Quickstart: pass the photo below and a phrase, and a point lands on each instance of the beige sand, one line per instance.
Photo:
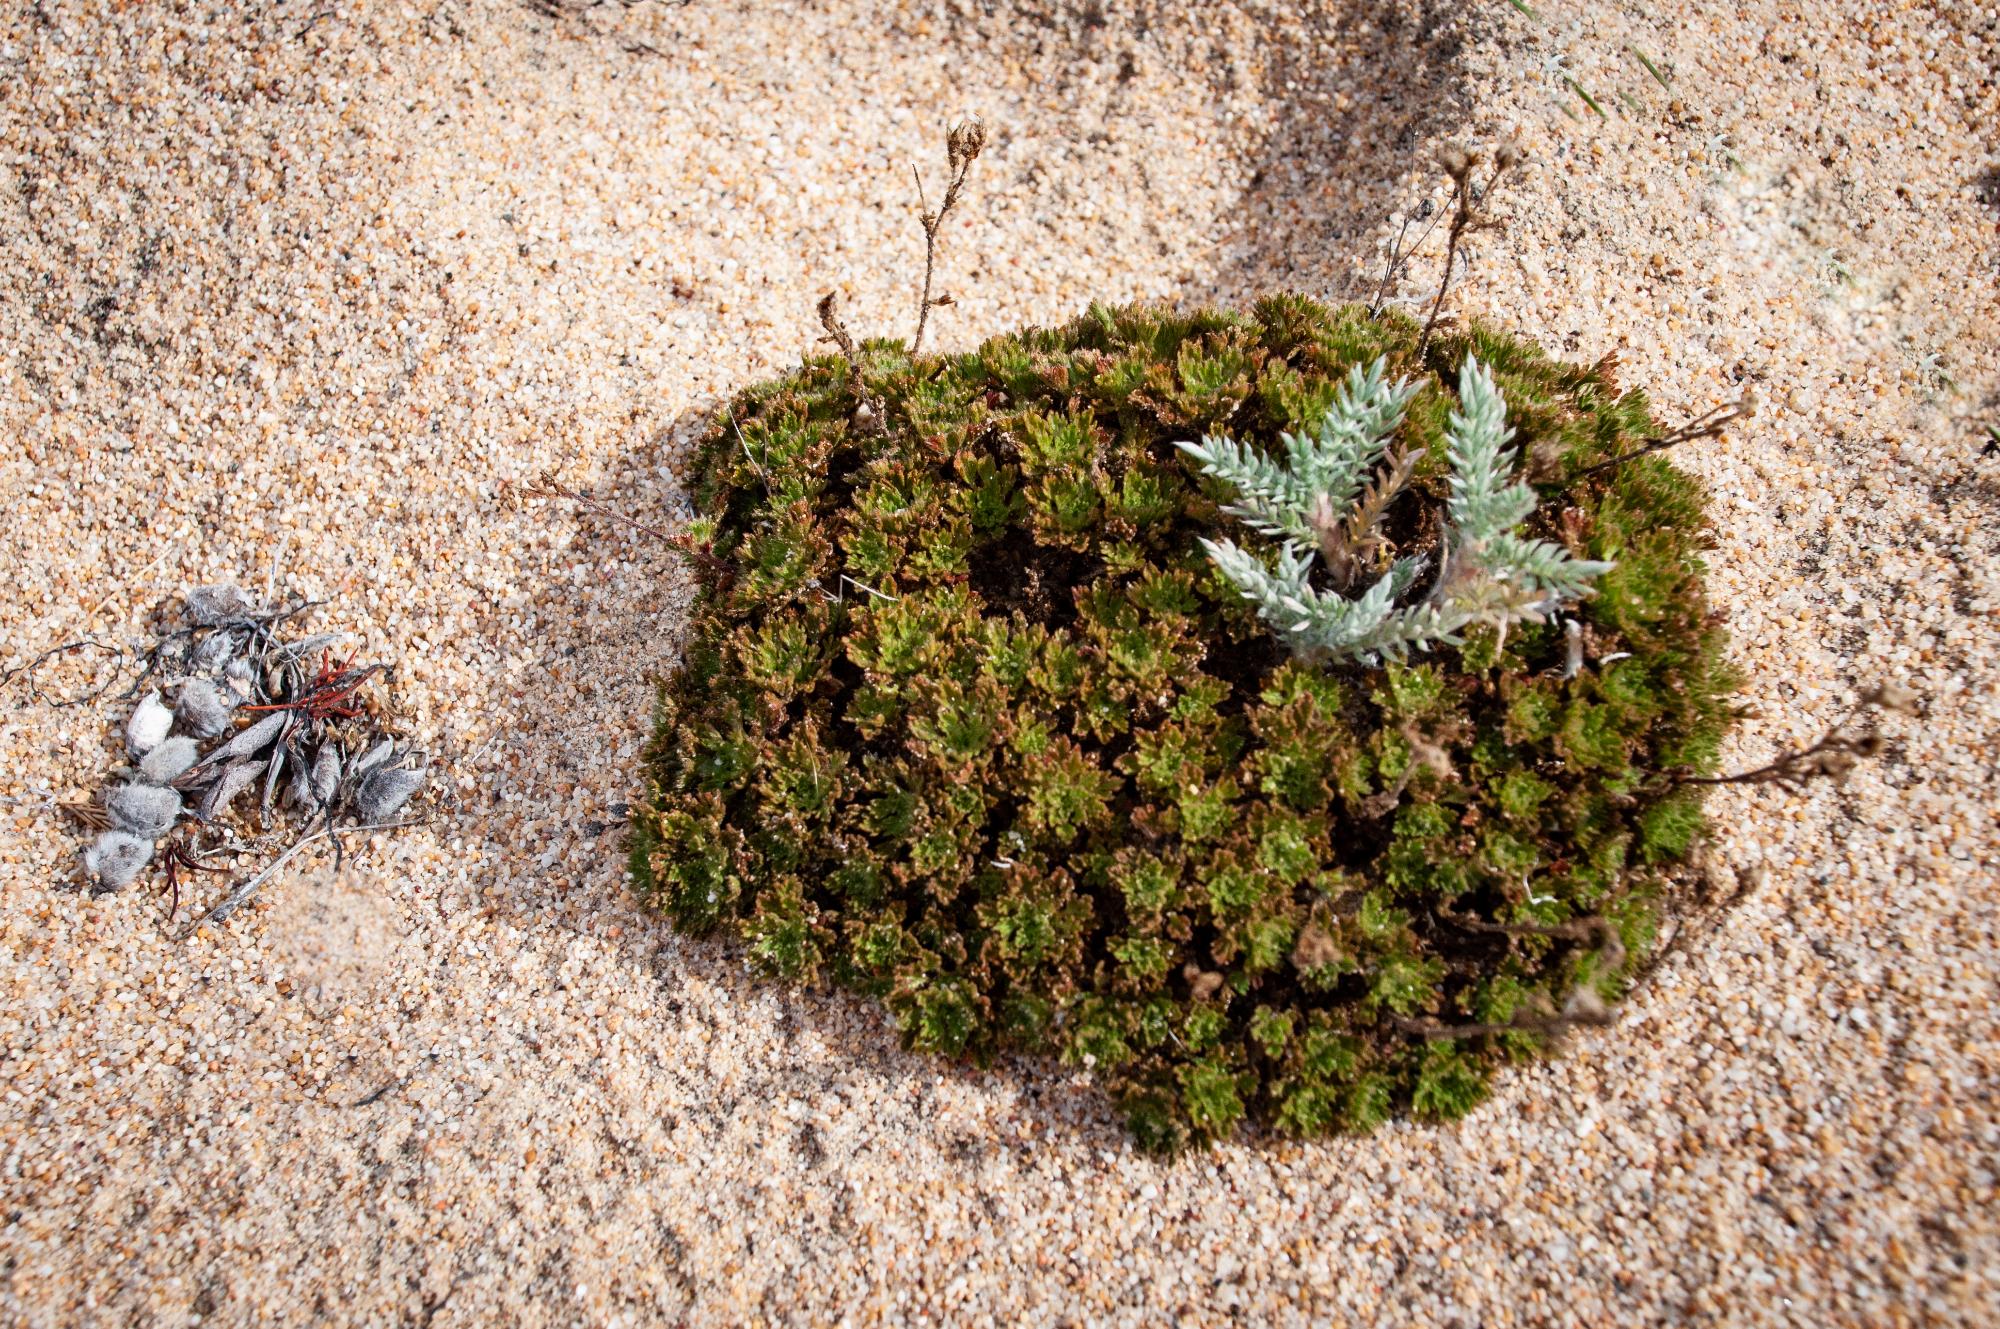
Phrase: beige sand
(293, 290)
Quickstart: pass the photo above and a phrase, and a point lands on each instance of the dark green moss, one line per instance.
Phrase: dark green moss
(969, 723)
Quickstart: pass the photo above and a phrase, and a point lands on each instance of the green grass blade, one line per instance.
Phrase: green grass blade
(1651, 68)
(1588, 100)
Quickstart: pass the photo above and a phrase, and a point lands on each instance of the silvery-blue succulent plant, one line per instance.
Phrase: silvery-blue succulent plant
(1321, 503)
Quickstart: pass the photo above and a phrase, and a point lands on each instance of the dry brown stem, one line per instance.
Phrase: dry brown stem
(962, 144)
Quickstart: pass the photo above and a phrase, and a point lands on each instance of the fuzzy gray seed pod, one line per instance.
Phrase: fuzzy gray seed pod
(233, 781)
(148, 725)
(210, 605)
(251, 741)
(319, 641)
(114, 858)
(170, 759)
(382, 795)
(144, 810)
(325, 774)
(298, 789)
(203, 709)
(375, 756)
(241, 676)
(215, 652)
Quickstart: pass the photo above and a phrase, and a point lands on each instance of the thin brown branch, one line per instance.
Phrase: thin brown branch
(1835, 754)
(552, 487)
(962, 144)
(1710, 425)
(35, 693)
(1467, 215)
(1591, 1012)
(1352, 547)
(866, 419)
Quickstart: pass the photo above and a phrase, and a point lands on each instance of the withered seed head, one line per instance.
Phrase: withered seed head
(1455, 160)
(963, 142)
(1506, 156)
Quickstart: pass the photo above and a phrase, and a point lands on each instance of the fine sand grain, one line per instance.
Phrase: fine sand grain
(292, 291)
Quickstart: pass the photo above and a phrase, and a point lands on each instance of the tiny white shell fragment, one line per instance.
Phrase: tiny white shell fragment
(148, 725)
(143, 810)
(169, 759)
(114, 858)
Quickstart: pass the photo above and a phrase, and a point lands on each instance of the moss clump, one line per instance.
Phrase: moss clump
(969, 721)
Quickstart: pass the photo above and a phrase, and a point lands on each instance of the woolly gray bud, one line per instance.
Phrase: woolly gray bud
(382, 795)
(148, 725)
(241, 676)
(215, 652)
(299, 790)
(142, 809)
(168, 760)
(325, 774)
(202, 708)
(210, 605)
(114, 858)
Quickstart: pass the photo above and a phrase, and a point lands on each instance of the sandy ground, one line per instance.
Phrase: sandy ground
(290, 292)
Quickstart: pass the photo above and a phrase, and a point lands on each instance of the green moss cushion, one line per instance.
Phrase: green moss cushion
(967, 721)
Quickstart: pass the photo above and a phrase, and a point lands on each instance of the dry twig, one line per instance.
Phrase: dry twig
(1467, 215)
(866, 419)
(1836, 752)
(1707, 426)
(962, 144)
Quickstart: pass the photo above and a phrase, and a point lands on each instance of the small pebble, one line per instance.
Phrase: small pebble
(148, 725)
(143, 809)
(203, 709)
(114, 858)
(168, 760)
